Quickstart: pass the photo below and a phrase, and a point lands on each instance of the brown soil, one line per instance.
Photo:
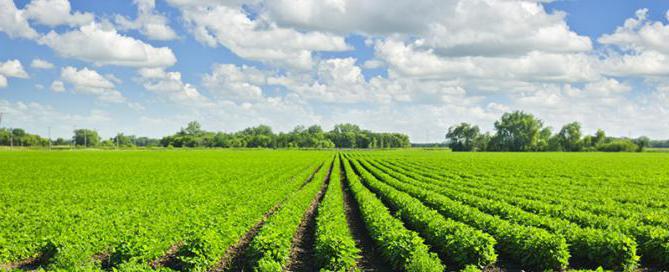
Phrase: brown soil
(370, 257)
(169, 259)
(302, 251)
(235, 258)
(41, 260)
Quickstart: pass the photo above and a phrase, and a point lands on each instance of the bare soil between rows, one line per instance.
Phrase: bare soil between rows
(302, 257)
(370, 257)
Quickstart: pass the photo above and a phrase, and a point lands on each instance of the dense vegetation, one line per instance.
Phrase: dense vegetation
(520, 131)
(196, 210)
(342, 136)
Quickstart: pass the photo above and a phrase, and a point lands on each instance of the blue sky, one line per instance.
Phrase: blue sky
(147, 67)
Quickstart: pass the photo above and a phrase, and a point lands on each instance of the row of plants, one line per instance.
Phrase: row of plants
(458, 243)
(140, 205)
(271, 247)
(554, 191)
(531, 247)
(588, 247)
(335, 248)
(402, 248)
(605, 231)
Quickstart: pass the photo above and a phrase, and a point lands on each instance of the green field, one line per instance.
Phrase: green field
(273, 210)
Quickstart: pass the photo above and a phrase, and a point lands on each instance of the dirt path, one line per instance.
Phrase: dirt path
(41, 260)
(370, 259)
(302, 252)
(235, 258)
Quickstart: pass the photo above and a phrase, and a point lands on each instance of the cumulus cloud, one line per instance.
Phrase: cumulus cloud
(41, 64)
(412, 61)
(642, 47)
(13, 21)
(453, 27)
(90, 82)
(258, 39)
(170, 86)
(56, 12)
(103, 45)
(11, 68)
(57, 86)
(235, 83)
(38, 117)
(151, 24)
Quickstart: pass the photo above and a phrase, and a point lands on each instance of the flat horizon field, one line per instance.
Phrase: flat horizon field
(306, 210)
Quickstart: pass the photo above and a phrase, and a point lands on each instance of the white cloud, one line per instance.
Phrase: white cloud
(235, 83)
(13, 21)
(412, 61)
(642, 48)
(56, 12)
(41, 64)
(170, 85)
(373, 64)
(103, 45)
(57, 86)
(38, 118)
(151, 24)
(454, 27)
(12, 68)
(89, 82)
(258, 39)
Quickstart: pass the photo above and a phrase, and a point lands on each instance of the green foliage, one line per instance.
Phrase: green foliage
(403, 248)
(459, 243)
(465, 137)
(270, 248)
(86, 137)
(134, 206)
(262, 136)
(622, 145)
(517, 131)
(335, 249)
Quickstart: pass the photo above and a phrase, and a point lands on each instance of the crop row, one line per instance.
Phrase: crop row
(335, 248)
(653, 241)
(402, 248)
(588, 247)
(270, 249)
(456, 242)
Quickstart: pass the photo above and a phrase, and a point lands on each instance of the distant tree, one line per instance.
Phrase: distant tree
(86, 137)
(193, 128)
(642, 142)
(517, 131)
(463, 137)
(570, 137)
(61, 141)
(618, 145)
(123, 140)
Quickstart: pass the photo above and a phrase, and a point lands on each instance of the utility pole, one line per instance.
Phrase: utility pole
(85, 138)
(49, 138)
(1, 114)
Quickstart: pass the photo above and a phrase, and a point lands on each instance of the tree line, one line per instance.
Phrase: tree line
(342, 136)
(520, 131)
(262, 136)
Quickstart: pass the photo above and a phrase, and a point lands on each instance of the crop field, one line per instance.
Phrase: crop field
(292, 210)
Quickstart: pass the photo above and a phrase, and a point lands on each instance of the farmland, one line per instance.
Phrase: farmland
(273, 210)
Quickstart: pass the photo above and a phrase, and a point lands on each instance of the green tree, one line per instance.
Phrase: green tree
(463, 137)
(642, 142)
(86, 137)
(570, 137)
(517, 131)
